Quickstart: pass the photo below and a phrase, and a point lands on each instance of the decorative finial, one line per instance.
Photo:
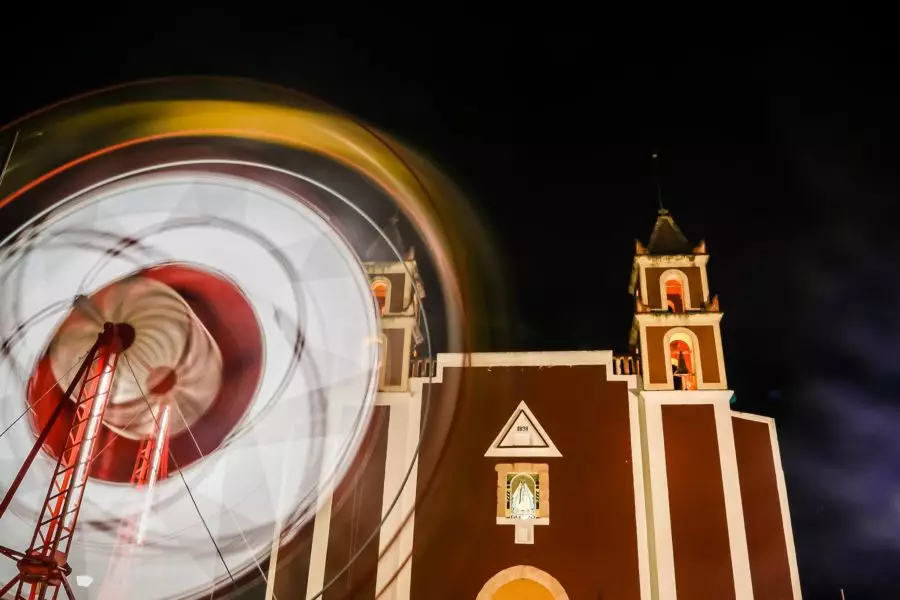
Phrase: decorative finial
(662, 209)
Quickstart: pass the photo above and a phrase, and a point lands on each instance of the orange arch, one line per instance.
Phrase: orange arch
(514, 576)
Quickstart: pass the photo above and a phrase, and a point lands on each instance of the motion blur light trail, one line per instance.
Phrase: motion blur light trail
(210, 198)
(429, 202)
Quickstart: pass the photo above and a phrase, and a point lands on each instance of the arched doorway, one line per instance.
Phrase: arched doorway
(522, 583)
(523, 589)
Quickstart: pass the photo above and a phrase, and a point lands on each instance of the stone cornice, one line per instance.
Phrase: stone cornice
(679, 319)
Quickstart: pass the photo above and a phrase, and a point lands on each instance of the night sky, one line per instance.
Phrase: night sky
(782, 155)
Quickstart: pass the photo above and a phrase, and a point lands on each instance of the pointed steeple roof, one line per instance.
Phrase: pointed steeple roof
(666, 237)
(379, 250)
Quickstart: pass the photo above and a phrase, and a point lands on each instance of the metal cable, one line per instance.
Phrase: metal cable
(228, 510)
(31, 407)
(180, 474)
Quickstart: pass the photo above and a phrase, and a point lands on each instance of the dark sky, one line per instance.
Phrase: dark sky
(782, 153)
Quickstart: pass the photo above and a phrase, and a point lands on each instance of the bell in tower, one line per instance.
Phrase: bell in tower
(681, 373)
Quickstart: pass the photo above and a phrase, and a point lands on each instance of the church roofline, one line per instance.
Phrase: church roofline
(562, 358)
(566, 358)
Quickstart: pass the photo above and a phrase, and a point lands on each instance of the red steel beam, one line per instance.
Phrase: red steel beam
(44, 567)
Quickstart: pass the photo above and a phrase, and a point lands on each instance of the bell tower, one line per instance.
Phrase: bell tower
(676, 323)
(397, 290)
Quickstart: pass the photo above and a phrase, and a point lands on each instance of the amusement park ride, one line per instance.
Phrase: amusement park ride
(43, 567)
(191, 341)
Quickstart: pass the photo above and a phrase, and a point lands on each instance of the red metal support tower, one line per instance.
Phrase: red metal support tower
(43, 567)
(150, 466)
(152, 462)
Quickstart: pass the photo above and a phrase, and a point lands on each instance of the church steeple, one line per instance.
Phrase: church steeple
(397, 288)
(676, 321)
(666, 237)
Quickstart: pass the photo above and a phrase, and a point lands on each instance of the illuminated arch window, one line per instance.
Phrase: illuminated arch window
(683, 359)
(674, 291)
(674, 295)
(380, 289)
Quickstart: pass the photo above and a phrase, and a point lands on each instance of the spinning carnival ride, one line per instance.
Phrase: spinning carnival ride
(193, 369)
(189, 358)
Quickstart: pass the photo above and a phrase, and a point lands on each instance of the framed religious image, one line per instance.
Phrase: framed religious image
(523, 495)
(523, 498)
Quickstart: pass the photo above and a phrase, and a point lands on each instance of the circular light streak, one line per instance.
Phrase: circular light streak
(314, 309)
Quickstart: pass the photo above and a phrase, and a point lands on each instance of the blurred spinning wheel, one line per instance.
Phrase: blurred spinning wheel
(172, 358)
(250, 315)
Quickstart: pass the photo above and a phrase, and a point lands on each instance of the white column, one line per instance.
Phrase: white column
(662, 553)
(641, 511)
(393, 578)
(734, 506)
(319, 551)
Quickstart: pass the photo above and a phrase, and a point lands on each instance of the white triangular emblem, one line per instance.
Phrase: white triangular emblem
(523, 436)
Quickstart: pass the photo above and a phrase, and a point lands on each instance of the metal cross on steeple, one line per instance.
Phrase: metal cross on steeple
(659, 198)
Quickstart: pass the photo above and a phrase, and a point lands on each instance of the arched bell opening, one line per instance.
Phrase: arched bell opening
(681, 356)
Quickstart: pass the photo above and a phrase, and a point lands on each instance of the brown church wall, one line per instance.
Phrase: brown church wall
(355, 516)
(657, 357)
(590, 545)
(766, 544)
(394, 363)
(659, 362)
(709, 354)
(398, 281)
(695, 283)
(700, 540)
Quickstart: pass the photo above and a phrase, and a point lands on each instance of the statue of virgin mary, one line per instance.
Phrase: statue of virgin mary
(521, 503)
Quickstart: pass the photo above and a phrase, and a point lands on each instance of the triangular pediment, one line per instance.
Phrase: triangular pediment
(522, 436)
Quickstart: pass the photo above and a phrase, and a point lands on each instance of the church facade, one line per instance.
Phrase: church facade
(660, 491)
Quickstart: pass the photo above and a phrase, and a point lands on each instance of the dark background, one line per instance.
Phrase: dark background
(781, 151)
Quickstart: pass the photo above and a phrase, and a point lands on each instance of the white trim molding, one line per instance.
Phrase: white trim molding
(545, 450)
(393, 579)
(659, 521)
(526, 359)
(641, 499)
(576, 358)
(660, 518)
(683, 319)
(315, 581)
(785, 512)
